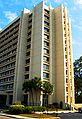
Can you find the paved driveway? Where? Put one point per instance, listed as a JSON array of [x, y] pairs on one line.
[[70, 115]]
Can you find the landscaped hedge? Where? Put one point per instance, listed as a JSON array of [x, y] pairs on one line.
[[19, 109], [16, 109], [67, 107]]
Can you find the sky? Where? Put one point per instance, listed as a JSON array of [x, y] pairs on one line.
[[10, 9]]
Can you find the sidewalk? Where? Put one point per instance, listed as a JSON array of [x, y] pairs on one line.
[[15, 116], [22, 117]]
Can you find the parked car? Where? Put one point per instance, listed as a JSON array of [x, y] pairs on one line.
[[80, 109]]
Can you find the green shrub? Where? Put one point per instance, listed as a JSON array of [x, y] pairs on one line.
[[67, 107], [39, 108], [32, 109], [28, 109], [16, 109]]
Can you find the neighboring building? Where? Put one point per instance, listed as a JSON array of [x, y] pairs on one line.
[[37, 43]]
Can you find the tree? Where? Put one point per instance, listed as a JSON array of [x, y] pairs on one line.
[[28, 87], [47, 90], [37, 84], [32, 85], [78, 80]]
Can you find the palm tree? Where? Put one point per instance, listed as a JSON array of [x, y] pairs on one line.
[[32, 85], [47, 89], [28, 87], [37, 84]]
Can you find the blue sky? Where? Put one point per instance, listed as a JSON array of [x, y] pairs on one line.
[[10, 9]]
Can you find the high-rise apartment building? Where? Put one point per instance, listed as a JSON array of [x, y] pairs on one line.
[[37, 43]]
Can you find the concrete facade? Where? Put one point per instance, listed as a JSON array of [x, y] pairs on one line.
[[43, 48]]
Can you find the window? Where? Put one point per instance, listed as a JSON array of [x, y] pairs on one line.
[[11, 78], [66, 80], [30, 15], [65, 35], [30, 27], [66, 56], [66, 88], [46, 23], [13, 64], [45, 75], [12, 71], [64, 28], [67, 98], [45, 67], [46, 43], [13, 51], [13, 45], [65, 48], [30, 21], [46, 11], [29, 33], [13, 57], [27, 68], [46, 17], [46, 51], [27, 76], [65, 42], [28, 46], [11, 86], [64, 22], [46, 58], [46, 30], [27, 61], [66, 72], [66, 64], [28, 40], [46, 36], [0, 75], [28, 53]]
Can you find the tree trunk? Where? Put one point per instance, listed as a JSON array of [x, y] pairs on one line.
[[32, 98]]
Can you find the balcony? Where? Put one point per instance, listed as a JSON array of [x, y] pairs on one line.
[[8, 30]]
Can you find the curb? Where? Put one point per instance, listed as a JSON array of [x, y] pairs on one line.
[[15, 116]]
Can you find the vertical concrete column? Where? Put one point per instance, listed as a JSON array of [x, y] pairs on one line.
[[20, 58], [7, 100]]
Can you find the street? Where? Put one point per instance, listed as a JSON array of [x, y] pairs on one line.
[[70, 115]]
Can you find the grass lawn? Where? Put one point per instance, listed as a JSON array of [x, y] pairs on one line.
[[42, 116]]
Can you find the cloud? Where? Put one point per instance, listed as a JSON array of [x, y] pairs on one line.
[[78, 2], [58, 1], [45, 1], [10, 15]]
